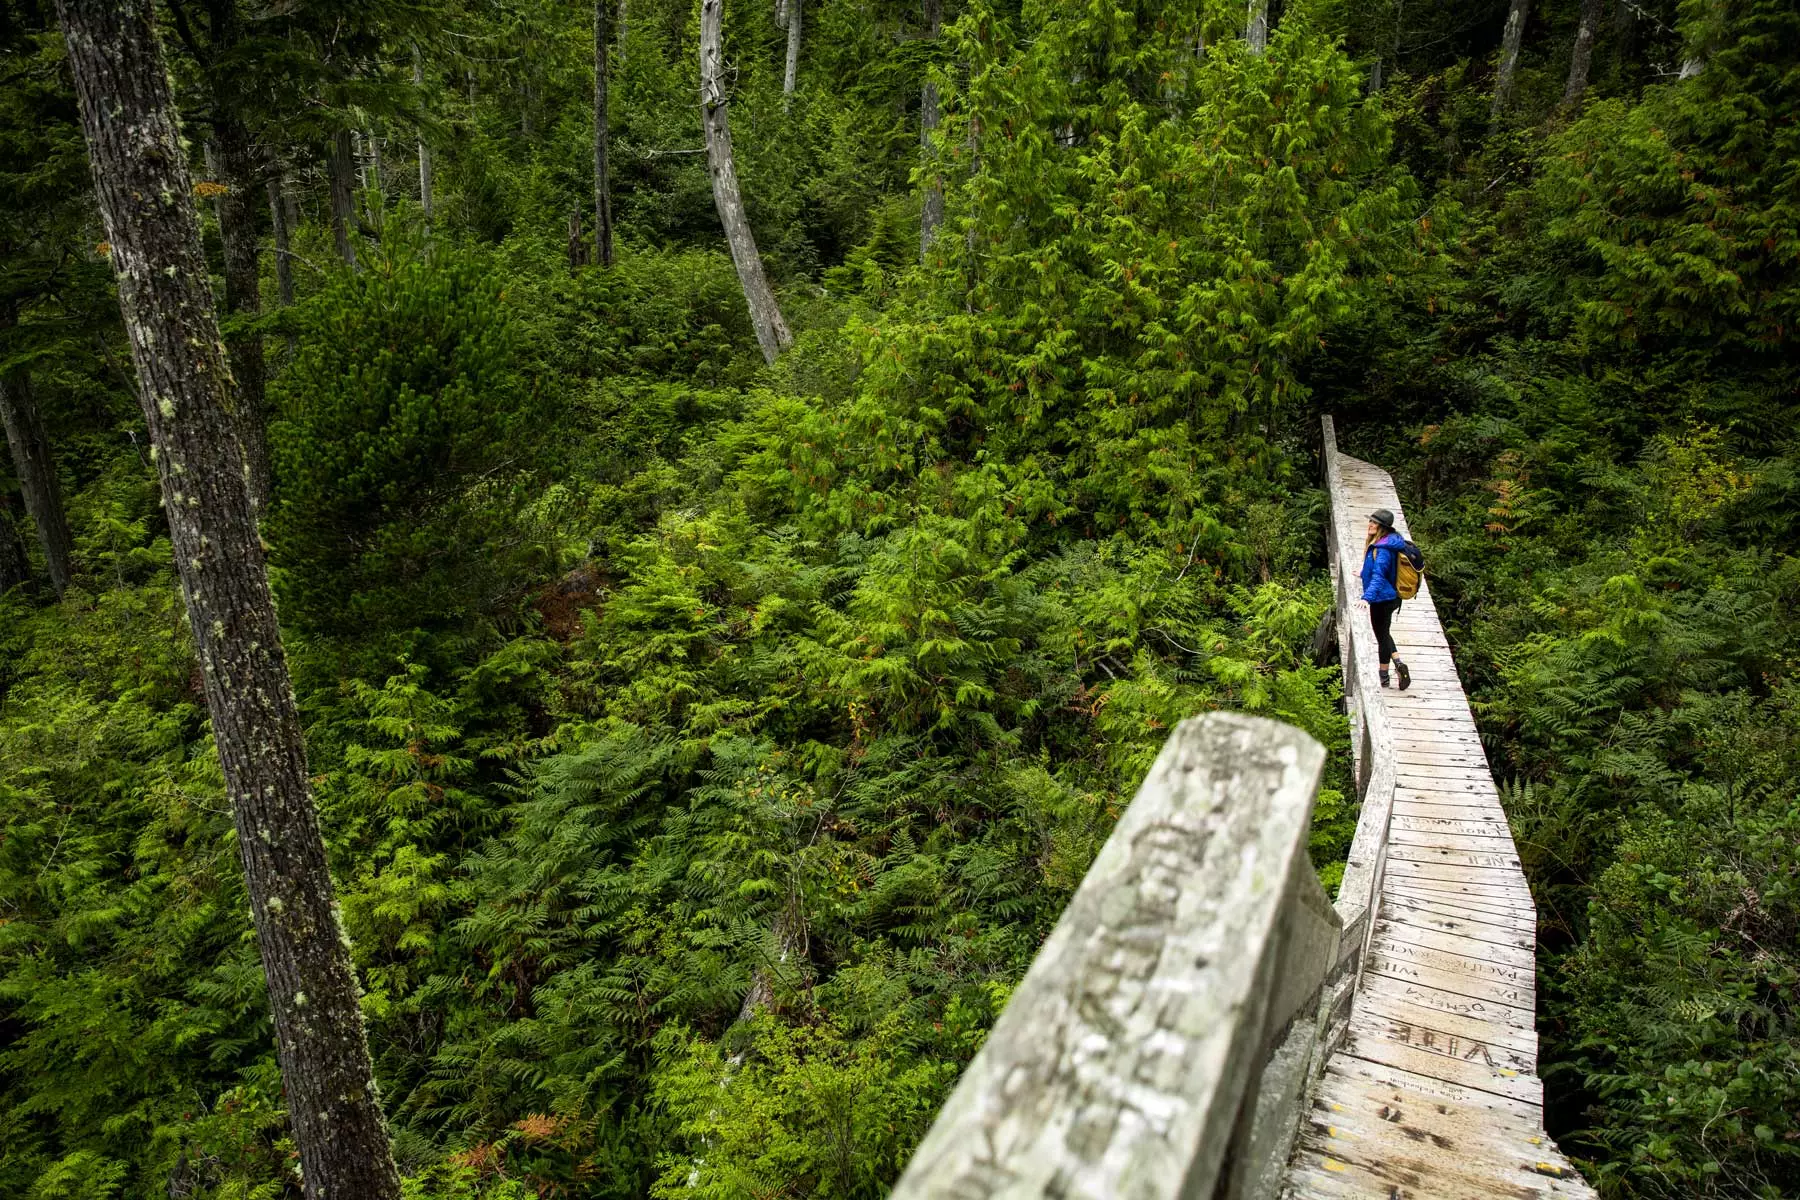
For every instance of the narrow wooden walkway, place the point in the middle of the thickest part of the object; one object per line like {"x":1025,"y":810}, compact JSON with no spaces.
{"x":1434,"y":1091}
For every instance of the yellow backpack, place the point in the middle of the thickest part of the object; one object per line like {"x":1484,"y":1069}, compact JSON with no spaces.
{"x":1409,"y":569}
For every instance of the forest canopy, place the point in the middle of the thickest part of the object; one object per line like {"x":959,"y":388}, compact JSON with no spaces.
{"x":747,"y":490}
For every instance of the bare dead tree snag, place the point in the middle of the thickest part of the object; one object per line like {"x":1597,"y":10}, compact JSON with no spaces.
{"x":765,"y":314}
{"x":1583,"y":53}
{"x":185,"y":387}
{"x":1516,"y":16}
{"x":791,"y":75}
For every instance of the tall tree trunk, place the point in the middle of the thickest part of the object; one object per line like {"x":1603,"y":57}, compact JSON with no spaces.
{"x":424,"y":150}
{"x":771,"y":331}
{"x":146,"y":198}
{"x":241,"y":173}
{"x":30,"y":447}
{"x":791,"y":76}
{"x":619,"y":31}
{"x":341,"y":166}
{"x":278,"y":221}
{"x":603,"y":222}
{"x":1256,"y":28}
{"x":932,"y":215}
{"x":1583,"y":54}
{"x":1516,"y":16}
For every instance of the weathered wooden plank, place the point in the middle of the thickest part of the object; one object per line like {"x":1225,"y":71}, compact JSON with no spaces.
{"x":1428,"y":777}
{"x":1511,"y":905}
{"x":1121,"y":1064}
{"x":1517,"y":1034}
{"x":1397,"y":929}
{"x":1499,"y":877}
{"x":1482,"y":967}
{"x":1511,"y":930}
{"x":1477,"y":1063}
{"x":1475,"y":843}
{"x":1453,"y":856}
{"x":1468,"y":808}
{"x":1378,"y":962}
{"x":1463,"y":825}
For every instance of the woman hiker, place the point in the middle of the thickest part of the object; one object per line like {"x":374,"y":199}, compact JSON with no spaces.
{"x":1381,"y":566}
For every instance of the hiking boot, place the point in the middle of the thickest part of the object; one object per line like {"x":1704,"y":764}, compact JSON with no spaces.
{"x":1384,"y":677}
{"x":1405,"y":675}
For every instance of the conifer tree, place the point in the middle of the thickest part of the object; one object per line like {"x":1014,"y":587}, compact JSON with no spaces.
{"x":146,"y":198}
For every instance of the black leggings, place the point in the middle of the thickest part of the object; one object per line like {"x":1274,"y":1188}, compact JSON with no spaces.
{"x":1381,"y":616}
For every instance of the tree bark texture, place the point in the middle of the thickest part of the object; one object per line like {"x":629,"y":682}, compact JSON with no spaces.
{"x":278,"y":221}
{"x":1516,"y":16}
{"x":1582,"y":56}
{"x":30,"y":447}
{"x":340,"y":164}
{"x":424,"y":150}
{"x":241,"y":173}
{"x":146,"y":199}
{"x":791,"y":76}
{"x":603,"y":222}
{"x":1256,"y":28}
{"x":932,"y":215}
{"x":771,"y":331}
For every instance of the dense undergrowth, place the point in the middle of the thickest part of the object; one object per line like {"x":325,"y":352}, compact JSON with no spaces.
{"x":641,"y":678}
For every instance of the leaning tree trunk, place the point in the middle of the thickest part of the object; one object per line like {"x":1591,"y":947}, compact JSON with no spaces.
{"x":37,"y":475}
{"x":1514,"y":37}
{"x":243,"y":297}
{"x":771,"y":331}
{"x":146,"y":198}
{"x":1256,"y":28}
{"x":932,"y":214}
{"x":603,"y":222}
{"x":340,"y":165}
{"x":1583,"y":53}
{"x":791,"y":76}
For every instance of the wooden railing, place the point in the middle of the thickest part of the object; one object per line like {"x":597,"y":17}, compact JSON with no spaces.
{"x":1164,"y":1043}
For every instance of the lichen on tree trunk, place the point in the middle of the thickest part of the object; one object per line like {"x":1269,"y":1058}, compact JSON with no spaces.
{"x":146,"y":199}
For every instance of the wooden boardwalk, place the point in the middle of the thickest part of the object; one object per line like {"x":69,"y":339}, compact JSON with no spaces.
{"x":1434,"y":1091}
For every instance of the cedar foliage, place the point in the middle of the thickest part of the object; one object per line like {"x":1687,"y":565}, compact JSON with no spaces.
{"x":641,"y":677}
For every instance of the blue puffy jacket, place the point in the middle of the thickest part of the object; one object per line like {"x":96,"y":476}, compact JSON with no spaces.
{"x":1380,"y":566}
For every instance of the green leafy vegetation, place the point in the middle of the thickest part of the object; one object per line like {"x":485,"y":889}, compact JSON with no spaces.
{"x":704,"y":747}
